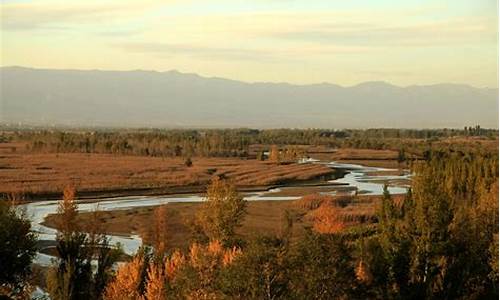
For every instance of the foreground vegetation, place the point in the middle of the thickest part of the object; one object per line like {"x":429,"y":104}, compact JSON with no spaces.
{"x":441,"y":241}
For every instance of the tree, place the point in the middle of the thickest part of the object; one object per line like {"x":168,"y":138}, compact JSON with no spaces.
{"x":159,"y":231}
{"x":17,"y":248}
{"x":322,"y":268}
{"x":438,"y":243}
{"x":67,"y":211}
{"x":73,"y":277}
{"x":104,"y":255}
{"x":128,"y":281}
{"x":388,"y":252}
{"x":260,"y":272}
{"x":156,"y":283}
{"x":274,"y":154}
{"x":326,"y":219}
{"x":222,"y":212}
{"x":70,"y":278}
{"x":260,"y":155}
{"x":401,"y":155}
{"x":196,"y":275}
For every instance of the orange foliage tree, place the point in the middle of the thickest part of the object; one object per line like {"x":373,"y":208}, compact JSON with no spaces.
{"x":68,"y":210}
{"x":126,"y":285}
{"x":191,"y":276}
{"x":159,"y":230}
{"x":326,"y":219}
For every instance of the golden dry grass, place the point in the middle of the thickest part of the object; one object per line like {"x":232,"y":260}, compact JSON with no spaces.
{"x":50,"y":173}
{"x":364,"y":154}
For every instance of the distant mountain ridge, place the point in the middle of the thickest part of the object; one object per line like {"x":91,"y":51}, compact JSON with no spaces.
{"x":175,"y":99}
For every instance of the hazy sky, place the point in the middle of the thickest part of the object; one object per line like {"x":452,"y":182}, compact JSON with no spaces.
{"x":344,"y":42}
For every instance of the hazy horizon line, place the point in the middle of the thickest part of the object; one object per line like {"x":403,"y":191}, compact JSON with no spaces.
{"x":381,"y":81}
{"x":41,"y":125}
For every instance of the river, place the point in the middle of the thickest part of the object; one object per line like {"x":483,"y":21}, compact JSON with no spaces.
{"x":359,"y":180}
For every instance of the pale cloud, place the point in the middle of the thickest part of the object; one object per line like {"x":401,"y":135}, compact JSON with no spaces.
{"x":168,"y":50}
{"x":343,"y":28}
{"x":449,"y":32}
{"x":61,"y":14}
{"x":278,"y":54}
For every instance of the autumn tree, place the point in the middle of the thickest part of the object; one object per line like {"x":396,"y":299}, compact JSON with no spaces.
{"x":67,"y":211}
{"x":222,"y":212}
{"x":129,"y":280}
{"x":203,"y":264}
{"x":159,"y":231}
{"x":327,"y":219}
{"x":194,"y":275}
{"x":274,"y":154}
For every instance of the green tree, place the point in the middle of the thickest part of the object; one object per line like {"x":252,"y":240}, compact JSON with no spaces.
{"x":261,"y":272}
{"x":438,"y":242}
{"x":322,"y":268}
{"x":17,"y":248}
{"x":401,"y":155}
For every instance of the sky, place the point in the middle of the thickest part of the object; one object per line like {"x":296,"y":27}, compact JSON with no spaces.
{"x":301,"y":42}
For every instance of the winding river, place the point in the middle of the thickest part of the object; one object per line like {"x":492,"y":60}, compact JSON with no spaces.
{"x":359,"y":180}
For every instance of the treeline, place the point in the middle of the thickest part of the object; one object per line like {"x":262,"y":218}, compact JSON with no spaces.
{"x":226,"y":142}
{"x":439,"y":242}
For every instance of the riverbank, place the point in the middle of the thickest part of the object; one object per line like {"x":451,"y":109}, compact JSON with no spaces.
{"x":263,"y":217}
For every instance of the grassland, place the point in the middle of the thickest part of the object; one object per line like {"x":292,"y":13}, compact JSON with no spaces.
{"x":45,"y":175}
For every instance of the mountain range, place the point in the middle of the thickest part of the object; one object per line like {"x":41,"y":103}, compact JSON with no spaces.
{"x":174,"y":99}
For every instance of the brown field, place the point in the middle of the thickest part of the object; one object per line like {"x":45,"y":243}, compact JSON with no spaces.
{"x":471,"y":141}
{"x":48,"y":174}
{"x":44,"y":175}
{"x":364,"y":154}
{"x":263,"y":217}
{"x":369,"y":157}
{"x":13,"y":147}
